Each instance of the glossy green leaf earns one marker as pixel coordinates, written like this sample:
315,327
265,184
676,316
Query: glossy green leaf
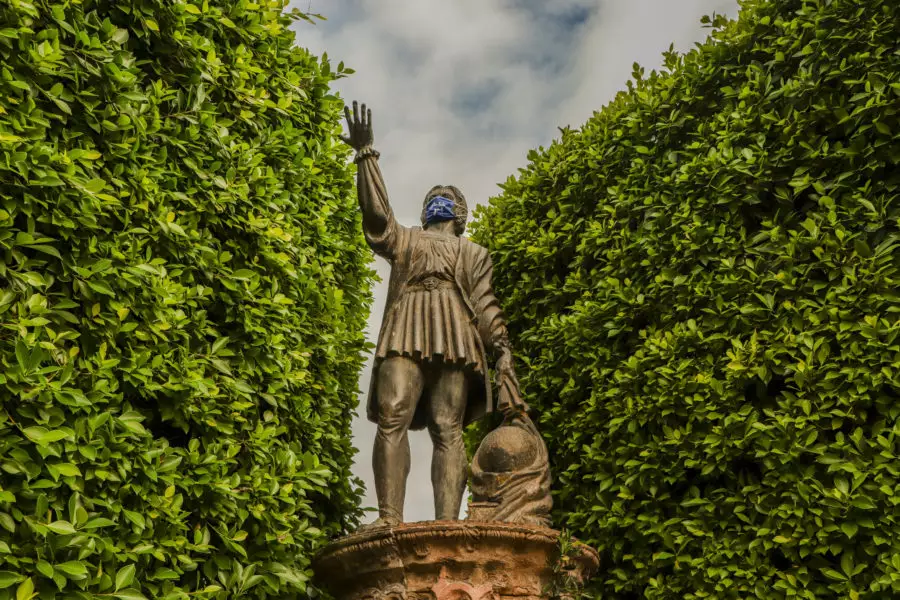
124,577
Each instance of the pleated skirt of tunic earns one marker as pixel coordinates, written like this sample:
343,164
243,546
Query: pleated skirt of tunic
431,325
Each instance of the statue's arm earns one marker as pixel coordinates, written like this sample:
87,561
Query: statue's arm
491,320
379,224
381,229
492,325
493,333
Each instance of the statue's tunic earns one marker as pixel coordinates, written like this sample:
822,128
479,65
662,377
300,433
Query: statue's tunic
440,305
430,320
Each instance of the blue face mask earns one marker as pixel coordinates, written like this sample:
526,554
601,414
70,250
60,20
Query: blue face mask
439,208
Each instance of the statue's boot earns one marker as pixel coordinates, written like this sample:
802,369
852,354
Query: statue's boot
387,519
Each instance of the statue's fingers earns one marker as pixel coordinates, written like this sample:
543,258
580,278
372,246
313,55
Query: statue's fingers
369,118
515,398
510,393
347,116
362,113
355,111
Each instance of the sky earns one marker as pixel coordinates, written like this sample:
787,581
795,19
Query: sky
461,90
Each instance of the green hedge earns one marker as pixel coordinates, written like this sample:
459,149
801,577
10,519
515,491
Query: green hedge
702,283
183,290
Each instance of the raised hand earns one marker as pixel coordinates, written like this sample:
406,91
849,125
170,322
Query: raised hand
359,128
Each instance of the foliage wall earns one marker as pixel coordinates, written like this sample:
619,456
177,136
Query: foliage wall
183,289
702,283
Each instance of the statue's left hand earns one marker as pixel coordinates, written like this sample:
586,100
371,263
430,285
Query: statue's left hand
509,400
505,365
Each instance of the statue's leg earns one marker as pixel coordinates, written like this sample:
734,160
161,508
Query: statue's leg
446,412
399,383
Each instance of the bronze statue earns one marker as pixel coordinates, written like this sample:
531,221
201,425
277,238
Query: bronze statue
441,319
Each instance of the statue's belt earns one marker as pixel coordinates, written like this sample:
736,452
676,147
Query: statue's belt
430,283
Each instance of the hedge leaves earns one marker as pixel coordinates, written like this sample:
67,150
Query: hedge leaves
183,289
702,284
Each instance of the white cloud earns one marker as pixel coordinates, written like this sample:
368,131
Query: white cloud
460,91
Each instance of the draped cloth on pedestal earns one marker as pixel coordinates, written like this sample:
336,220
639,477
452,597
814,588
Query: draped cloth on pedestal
511,475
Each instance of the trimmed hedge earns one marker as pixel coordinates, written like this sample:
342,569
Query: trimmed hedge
183,290
702,285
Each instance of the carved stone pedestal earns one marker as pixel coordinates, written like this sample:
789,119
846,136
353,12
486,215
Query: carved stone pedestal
452,560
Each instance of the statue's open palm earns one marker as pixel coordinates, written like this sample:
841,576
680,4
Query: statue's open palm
359,128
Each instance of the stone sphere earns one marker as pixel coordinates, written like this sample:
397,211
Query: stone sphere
506,449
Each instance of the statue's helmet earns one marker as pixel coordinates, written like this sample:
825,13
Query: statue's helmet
460,208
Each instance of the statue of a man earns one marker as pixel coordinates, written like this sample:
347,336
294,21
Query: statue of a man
440,320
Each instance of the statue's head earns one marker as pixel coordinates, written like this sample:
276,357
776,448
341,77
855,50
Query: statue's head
460,209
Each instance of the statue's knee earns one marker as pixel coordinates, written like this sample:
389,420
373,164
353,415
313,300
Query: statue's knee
446,432
392,419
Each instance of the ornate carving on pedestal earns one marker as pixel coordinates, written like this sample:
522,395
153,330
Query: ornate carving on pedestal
393,591
420,549
459,590
448,560
471,535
